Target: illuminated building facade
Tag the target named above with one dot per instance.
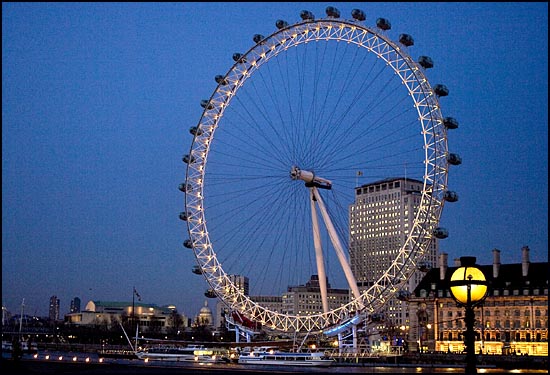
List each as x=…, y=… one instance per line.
x=306, y=299
x=513, y=319
x=53, y=311
x=149, y=316
x=380, y=220
x=75, y=305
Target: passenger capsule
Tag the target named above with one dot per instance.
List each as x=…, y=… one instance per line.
x=238, y=57
x=454, y=159
x=188, y=160
x=206, y=104
x=406, y=40
x=376, y=317
x=306, y=15
x=185, y=187
x=383, y=24
x=221, y=80
x=441, y=90
x=188, y=244
x=257, y=38
x=450, y=123
x=195, y=130
x=210, y=293
x=196, y=270
x=440, y=233
x=450, y=196
x=403, y=295
x=358, y=15
x=332, y=12
x=424, y=266
x=280, y=24
x=426, y=62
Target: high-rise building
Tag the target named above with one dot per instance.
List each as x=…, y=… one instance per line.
x=54, y=308
x=380, y=219
x=241, y=283
x=75, y=305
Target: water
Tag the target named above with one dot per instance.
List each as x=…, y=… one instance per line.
x=91, y=363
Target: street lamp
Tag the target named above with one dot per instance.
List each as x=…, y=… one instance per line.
x=469, y=289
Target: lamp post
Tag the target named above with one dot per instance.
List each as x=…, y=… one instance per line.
x=469, y=289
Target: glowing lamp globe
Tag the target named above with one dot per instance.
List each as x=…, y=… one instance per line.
x=468, y=283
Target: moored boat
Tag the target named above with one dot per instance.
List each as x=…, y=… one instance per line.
x=190, y=353
x=117, y=353
x=270, y=356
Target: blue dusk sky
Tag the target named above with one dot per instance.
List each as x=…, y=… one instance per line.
x=98, y=99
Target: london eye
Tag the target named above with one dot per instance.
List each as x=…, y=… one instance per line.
x=297, y=123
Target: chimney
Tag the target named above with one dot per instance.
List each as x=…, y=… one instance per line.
x=496, y=262
x=442, y=265
x=457, y=262
x=524, y=260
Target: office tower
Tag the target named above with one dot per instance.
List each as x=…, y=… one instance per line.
x=75, y=305
x=54, y=308
x=241, y=283
x=380, y=220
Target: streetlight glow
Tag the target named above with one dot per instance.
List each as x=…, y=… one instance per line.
x=469, y=288
x=468, y=278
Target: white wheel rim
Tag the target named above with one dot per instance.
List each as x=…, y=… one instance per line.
x=430, y=124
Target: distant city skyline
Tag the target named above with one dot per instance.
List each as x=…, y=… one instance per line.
x=211, y=302
x=98, y=99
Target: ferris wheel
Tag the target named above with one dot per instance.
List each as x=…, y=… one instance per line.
x=292, y=129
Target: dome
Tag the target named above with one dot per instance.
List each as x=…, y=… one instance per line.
x=205, y=309
x=205, y=315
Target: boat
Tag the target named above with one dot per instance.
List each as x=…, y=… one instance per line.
x=189, y=353
x=272, y=356
x=170, y=351
x=117, y=353
x=24, y=346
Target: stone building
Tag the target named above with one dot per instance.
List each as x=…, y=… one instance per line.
x=512, y=320
x=110, y=313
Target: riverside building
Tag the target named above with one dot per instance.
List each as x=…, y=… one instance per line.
x=513, y=319
x=380, y=220
x=306, y=299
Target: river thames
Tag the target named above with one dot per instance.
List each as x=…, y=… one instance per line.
x=85, y=363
